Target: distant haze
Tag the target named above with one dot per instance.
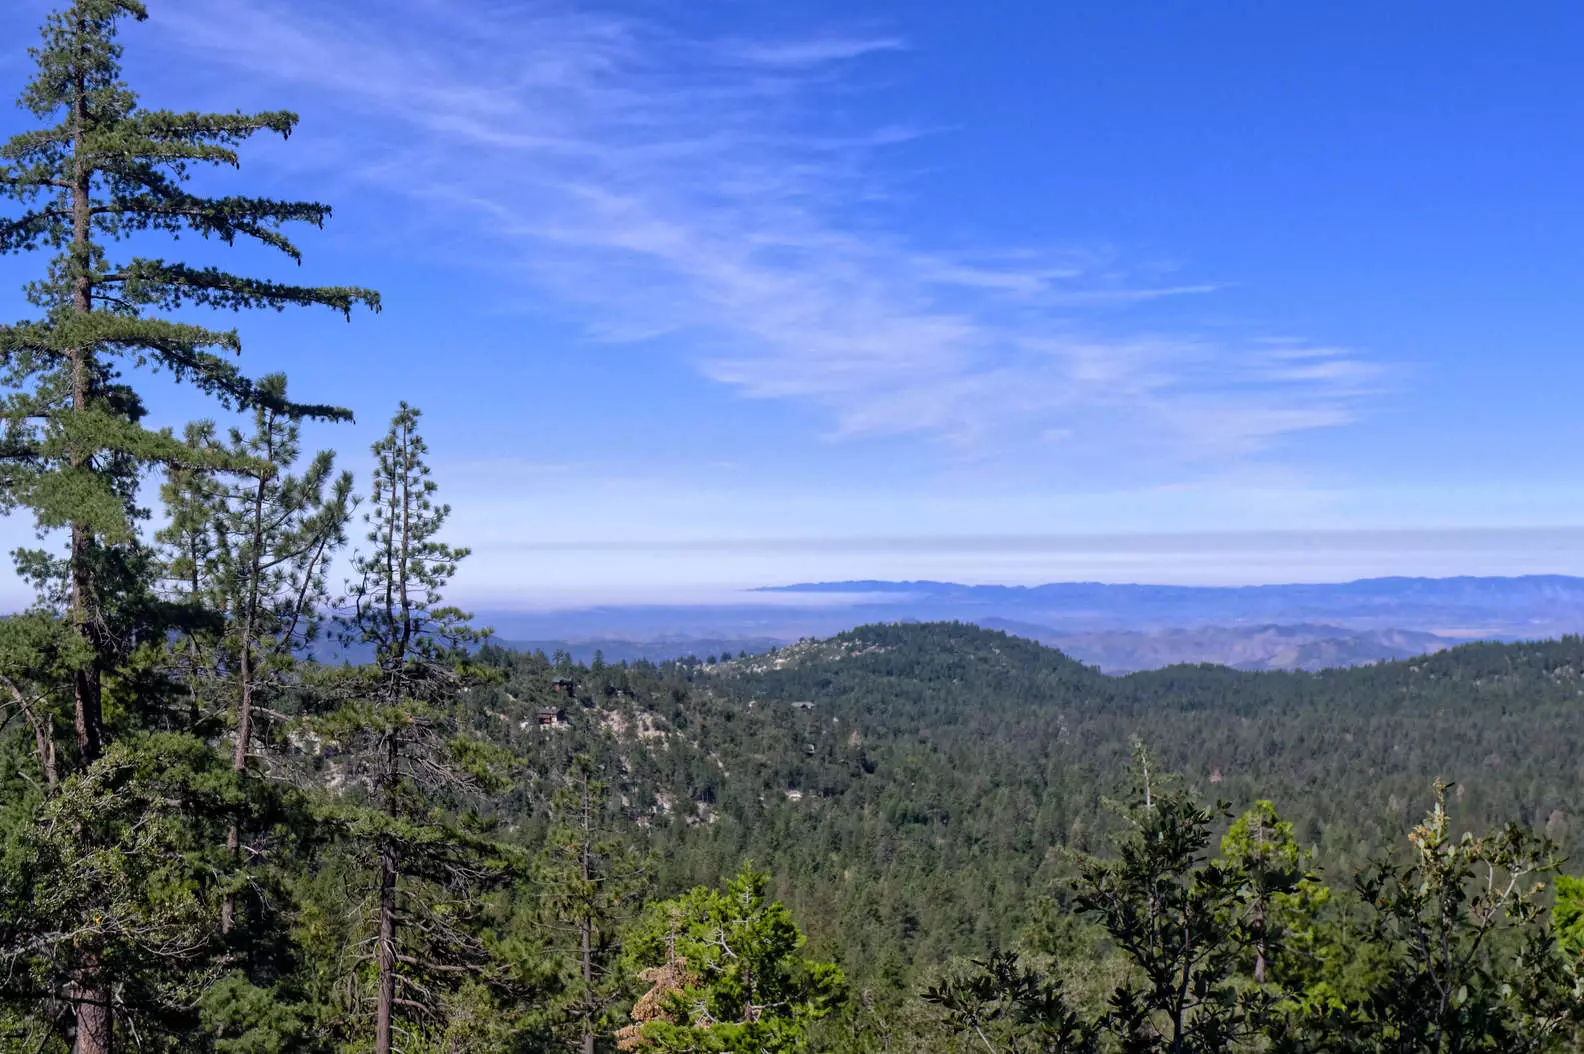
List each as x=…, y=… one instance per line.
x=588, y=569
x=1118, y=627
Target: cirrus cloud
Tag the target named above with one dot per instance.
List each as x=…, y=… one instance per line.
x=660, y=184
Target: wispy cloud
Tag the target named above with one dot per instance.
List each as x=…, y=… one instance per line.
x=660, y=184
x=812, y=52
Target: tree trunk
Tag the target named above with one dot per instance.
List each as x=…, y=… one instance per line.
x=228, y=905
x=84, y=610
x=244, y=730
x=87, y=709
x=95, y=1023
x=250, y=624
x=586, y=931
x=44, y=744
x=244, y=734
x=43, y=735
x=385, y=954
x=588, y=988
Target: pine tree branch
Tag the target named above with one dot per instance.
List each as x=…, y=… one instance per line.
x=29, y=228
x=29, y=145
x=163, y=205
x=177, y=346
x=167, y=125
x=105, y=150
x=171, y=285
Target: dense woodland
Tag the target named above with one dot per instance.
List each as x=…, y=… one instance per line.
x=905, y=838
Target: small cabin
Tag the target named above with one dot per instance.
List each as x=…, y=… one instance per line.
x=551, y=716
x=563, y=685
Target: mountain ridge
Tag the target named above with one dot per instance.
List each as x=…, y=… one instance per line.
x=1368, y=620
x=1301, y=646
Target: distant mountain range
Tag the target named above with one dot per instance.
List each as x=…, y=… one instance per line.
x=1465, y=607
x=1117, y=627
x=1304, y=646
x=1297, y=647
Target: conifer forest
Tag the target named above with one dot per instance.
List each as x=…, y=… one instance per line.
x=264, y=790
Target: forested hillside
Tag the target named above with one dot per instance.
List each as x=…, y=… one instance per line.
x=904, y=838
x=924, y=792
x=914, y=786
x=1251, y=647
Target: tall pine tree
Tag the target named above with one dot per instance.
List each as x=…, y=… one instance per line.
x=74, y=445
x=401, y=742
x=253, y=546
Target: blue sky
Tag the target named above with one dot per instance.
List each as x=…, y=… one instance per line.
x=811, y=276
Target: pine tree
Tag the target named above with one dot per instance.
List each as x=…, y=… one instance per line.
x=75, y=443
x=594, y=883
x=253, y=546
x=74, y=446
x=400, y=738
x=419, y=643
x=1280, y=890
